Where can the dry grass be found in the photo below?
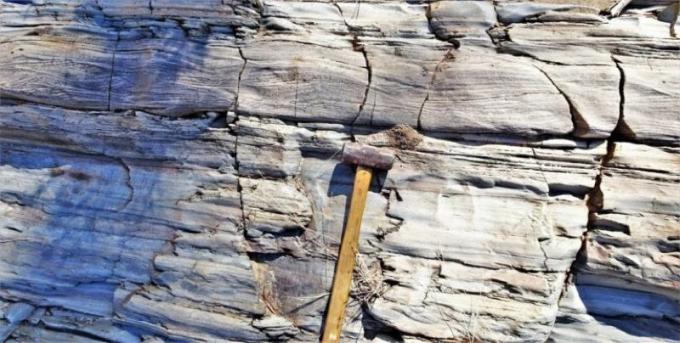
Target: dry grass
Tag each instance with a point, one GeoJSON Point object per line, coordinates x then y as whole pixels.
{"type": "Point", "coordinates": [471, 328]}
{"type": "Point", "coordinates": [367, 283]}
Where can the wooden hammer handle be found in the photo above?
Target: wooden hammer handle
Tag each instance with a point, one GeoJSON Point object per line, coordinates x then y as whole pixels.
{"type": "Point", "coordinates": [347, 257]}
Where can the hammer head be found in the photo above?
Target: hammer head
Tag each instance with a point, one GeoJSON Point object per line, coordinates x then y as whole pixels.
{"type": "Point", "coordinates": [367, 156]}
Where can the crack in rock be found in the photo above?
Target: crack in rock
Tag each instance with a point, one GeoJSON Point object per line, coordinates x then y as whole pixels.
{"type": "Point", "coordinates": [128, 183]}
{"type": "Point", "coordinates": [113, 61]}
{"type": "Point", "coordinates": [238, 82]}
{"type": "Point", "coordinates": [448, 56]}
{"type": "Point", "coordinates": [622, 131]}
{"type": "Point", "coordinates": [581, 126]}
{"type": "Point", "coordinates": [357, 46]}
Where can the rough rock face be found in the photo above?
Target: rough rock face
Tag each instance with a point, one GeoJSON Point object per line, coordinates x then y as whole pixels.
{"type": "Point", "coordinates": [169, 170]}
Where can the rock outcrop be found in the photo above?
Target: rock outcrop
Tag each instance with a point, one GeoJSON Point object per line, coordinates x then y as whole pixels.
{"type": "Point", "coordinates": [169, 170]}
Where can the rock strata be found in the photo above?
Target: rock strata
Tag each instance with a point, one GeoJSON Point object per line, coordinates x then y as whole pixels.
{"type": "Point", "coordinates": [170, 170]}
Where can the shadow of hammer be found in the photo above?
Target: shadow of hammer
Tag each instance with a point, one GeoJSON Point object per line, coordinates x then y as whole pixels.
{"type": "Point", "coordinates": [366, 158]}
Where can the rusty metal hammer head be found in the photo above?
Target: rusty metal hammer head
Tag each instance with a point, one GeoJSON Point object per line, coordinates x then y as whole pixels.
{"type": "Point", "coordinates": [367, 156]}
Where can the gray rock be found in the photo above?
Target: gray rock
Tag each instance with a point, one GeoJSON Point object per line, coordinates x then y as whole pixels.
{"type": "Point", "coordinates": [311, 81]}
{"type": "Point", "coordinates": [574, 322]}
{"type": "Point", "coordinates": [515, 12]}
{"type": "Point", "coordinates": [632, 44]}
{"type": "Point", "coordinates": [466, 98]}
{"type": "Point", "coordinates": [632, 244]}
{"type": "Point", "coordinates": [651, 94]}
{"type": "Point", "coordinates": [192, 76]}
{"type": "Point", "coordinates": [400, 77]}
{"type": "Point", "coordinates": [629, 267]}
{"type": "Point", "coordinates": [17, 312]}
{"type": "Point", "coordinates": [274, 207]}
{"type": "Point", "coordinates": [276, 327]}
{"type": "Point", "coordinates": [170, 170]}
{"type": "Point", "coordinates": [12, 316]}
{"type": "Point", "coordinates": [465, 21]}
{"type": "Point", "coordinates": [390, 19]}
{"type": "Point", "coordinates": [313, 17]}
{"type": "Point", "coordinates": [593, 96]}
{"type": "Point", "coordinates": [75, 65]}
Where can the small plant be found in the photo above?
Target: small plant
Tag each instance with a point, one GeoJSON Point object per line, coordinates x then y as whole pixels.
{"type": "Point", "coordinates": [367, 284]}
{"type": "Point", "coordinates": [471, 327]}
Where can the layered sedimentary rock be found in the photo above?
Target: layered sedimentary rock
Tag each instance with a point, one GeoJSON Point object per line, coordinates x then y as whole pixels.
{"type": "Point", "coordinates": [170, 170]}
{"type": "Point", "coordinates": [630, 256]}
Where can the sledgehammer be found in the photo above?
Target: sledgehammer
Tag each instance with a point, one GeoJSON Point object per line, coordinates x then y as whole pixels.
{"type": "Point", "coordinates": [366, 158]}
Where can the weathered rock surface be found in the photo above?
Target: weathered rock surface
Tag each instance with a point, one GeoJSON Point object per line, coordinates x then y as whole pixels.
{"type": "Point", "coordinates": [170, 170]}
{"type": "Point", "coordinates": [631, 256]}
